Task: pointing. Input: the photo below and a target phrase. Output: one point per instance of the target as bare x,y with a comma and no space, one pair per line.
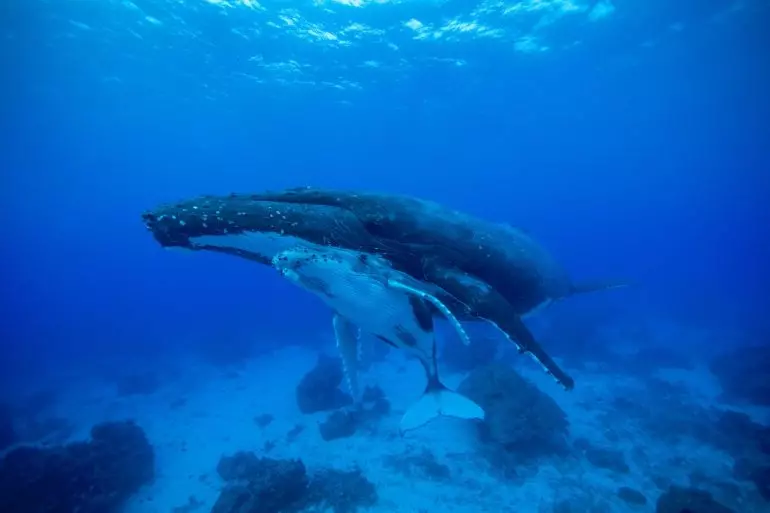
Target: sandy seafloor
207,412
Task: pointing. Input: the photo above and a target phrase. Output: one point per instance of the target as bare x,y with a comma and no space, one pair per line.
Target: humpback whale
366,292
481,270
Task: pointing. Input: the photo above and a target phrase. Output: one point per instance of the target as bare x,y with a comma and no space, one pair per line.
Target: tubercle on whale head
288,266
166,229
280,263
291,260
179,224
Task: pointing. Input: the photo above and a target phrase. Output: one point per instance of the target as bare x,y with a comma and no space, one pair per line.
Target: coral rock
265,485
677,500
88,477
631,496
519,417
319,389
340,424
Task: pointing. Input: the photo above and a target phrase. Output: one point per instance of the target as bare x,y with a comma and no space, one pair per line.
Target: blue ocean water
631,139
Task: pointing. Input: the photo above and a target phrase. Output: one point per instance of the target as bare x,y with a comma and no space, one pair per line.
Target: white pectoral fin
346,333
438,304
365,352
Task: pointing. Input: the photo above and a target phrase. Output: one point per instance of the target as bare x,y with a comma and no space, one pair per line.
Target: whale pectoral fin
485,302
365,352
346,333
440,306
517,333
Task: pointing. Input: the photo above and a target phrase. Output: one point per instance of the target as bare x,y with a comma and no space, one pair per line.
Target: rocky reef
319,390
683,500
521,421
344,423
743,374
266,485
88,477
340,424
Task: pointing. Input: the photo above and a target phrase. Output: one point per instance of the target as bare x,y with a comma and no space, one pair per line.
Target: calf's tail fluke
439,401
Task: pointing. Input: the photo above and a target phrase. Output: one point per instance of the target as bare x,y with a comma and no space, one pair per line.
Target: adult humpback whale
484,270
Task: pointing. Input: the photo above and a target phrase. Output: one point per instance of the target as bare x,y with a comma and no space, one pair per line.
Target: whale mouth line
264,244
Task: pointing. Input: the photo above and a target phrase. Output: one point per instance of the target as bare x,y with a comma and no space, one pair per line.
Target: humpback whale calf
482,270
366,292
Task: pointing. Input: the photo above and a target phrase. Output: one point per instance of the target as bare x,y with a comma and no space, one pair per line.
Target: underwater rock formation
631,496
89,477
263,485
241,465
608,459
679,500
747,442
737,434
760,476
266,485
743,374
264,420
319,389
340,424
341,491
192,504
375,404
669,412
520,419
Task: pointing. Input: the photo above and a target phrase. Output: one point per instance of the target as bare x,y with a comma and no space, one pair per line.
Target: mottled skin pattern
481,270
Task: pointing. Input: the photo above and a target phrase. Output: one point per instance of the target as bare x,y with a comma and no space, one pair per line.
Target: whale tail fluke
439,401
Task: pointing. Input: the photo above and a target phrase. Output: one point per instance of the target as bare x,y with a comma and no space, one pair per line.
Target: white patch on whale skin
264,244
